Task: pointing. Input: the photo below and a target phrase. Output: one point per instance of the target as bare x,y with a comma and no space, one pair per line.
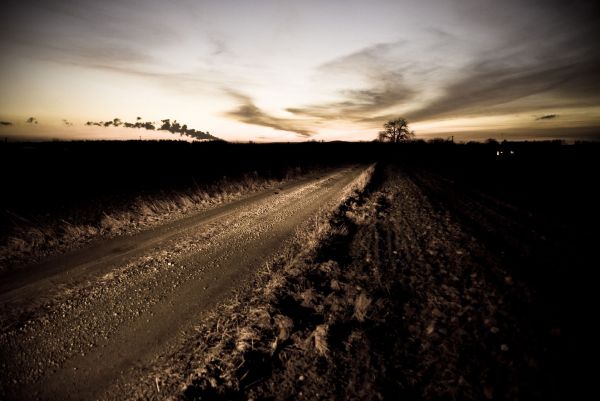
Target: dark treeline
49,175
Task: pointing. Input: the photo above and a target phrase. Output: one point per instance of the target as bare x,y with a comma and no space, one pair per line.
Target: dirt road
80,325
423,292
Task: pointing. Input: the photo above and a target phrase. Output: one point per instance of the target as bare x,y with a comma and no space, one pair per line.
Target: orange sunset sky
301,70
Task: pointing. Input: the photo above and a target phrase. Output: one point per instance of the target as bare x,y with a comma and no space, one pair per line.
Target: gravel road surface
81,325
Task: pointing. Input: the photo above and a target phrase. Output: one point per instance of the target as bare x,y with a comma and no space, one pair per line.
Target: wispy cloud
361,105
249,113
137,39
547,117
6,123
556,67
493,85
548,58
384,85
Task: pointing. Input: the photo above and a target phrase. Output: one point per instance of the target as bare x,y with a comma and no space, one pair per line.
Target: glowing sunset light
294,71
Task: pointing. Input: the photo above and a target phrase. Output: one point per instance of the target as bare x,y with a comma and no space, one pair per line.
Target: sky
278,70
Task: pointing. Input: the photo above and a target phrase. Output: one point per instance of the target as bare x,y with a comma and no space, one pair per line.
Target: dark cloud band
166,125
249,113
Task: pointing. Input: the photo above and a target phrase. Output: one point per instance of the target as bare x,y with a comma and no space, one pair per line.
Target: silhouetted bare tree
396,131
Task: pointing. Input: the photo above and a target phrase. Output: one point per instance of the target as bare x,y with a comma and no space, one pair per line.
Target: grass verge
27,240
238,343
392,298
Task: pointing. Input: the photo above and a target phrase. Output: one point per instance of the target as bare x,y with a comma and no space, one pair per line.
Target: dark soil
425,289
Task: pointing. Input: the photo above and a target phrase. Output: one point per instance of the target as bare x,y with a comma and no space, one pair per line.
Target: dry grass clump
361,306
284,325
245,339
320,336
